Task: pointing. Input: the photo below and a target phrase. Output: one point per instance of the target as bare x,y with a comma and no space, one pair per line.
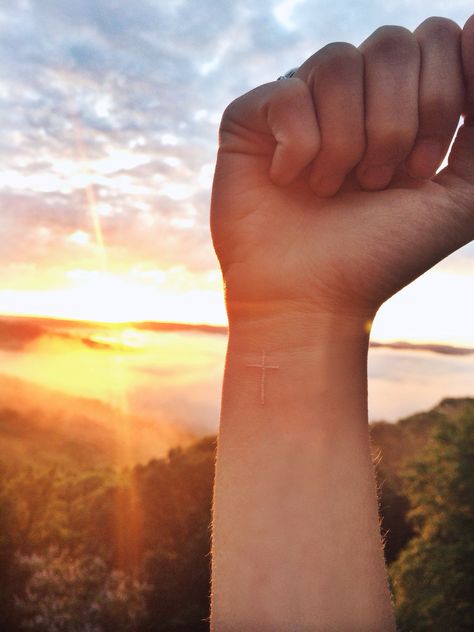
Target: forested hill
114,549
45,427
394,447
41,426
395,443
48,427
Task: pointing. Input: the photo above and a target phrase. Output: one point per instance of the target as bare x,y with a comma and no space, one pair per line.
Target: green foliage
178,495
433,577
11,578
87,546
394,445
68,594
49,428
100,549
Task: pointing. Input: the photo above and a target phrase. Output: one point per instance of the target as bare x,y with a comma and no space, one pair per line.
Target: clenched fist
326,197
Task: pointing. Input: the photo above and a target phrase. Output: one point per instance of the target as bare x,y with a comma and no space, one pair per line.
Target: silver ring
288,74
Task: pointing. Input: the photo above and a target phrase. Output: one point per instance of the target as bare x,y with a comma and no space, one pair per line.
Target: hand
325,197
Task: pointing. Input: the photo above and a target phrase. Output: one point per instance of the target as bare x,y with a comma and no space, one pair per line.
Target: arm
296,535
320,213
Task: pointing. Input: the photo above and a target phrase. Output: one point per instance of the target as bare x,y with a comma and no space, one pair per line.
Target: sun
114,298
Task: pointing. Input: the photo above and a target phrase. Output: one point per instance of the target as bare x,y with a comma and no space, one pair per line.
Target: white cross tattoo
264,367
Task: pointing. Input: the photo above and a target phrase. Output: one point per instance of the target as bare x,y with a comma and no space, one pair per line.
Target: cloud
86,81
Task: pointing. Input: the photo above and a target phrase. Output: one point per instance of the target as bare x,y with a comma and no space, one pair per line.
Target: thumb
277,119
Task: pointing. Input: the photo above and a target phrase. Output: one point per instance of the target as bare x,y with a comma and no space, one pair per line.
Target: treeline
96,548
426,477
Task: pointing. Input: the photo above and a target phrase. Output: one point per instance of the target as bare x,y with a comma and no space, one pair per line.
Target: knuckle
339,59
228,112
392,43
236,115
440,28
340,51
294,89
232,109
392,33
227,119
289,96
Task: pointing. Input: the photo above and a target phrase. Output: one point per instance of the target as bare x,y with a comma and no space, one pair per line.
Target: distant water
177,376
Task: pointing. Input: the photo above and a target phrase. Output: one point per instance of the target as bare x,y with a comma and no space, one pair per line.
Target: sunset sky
109,115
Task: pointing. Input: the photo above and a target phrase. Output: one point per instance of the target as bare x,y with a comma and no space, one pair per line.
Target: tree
432,579
71,594
11,576
177,498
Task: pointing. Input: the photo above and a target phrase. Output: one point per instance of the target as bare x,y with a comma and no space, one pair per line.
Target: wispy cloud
115,106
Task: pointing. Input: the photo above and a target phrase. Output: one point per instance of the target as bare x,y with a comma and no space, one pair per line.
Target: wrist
296,329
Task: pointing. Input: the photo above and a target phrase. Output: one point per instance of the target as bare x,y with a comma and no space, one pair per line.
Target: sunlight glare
106,297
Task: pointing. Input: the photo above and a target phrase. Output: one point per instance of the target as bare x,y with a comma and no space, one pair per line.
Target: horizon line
445,348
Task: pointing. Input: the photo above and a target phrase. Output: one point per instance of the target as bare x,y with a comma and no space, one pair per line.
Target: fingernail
374,178
425,159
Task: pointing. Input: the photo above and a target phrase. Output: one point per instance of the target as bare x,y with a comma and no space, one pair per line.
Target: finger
392,61
292,121
441,94
276,121
467,47
461,157
335,75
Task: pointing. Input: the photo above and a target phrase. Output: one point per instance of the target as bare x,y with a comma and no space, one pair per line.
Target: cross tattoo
264,367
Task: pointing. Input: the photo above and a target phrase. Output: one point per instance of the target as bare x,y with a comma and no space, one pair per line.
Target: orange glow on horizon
108,298
436,308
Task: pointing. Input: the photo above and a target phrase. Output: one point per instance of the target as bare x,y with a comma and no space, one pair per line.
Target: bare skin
326,202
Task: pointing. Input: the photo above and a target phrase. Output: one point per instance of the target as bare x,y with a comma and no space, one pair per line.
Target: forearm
296,542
